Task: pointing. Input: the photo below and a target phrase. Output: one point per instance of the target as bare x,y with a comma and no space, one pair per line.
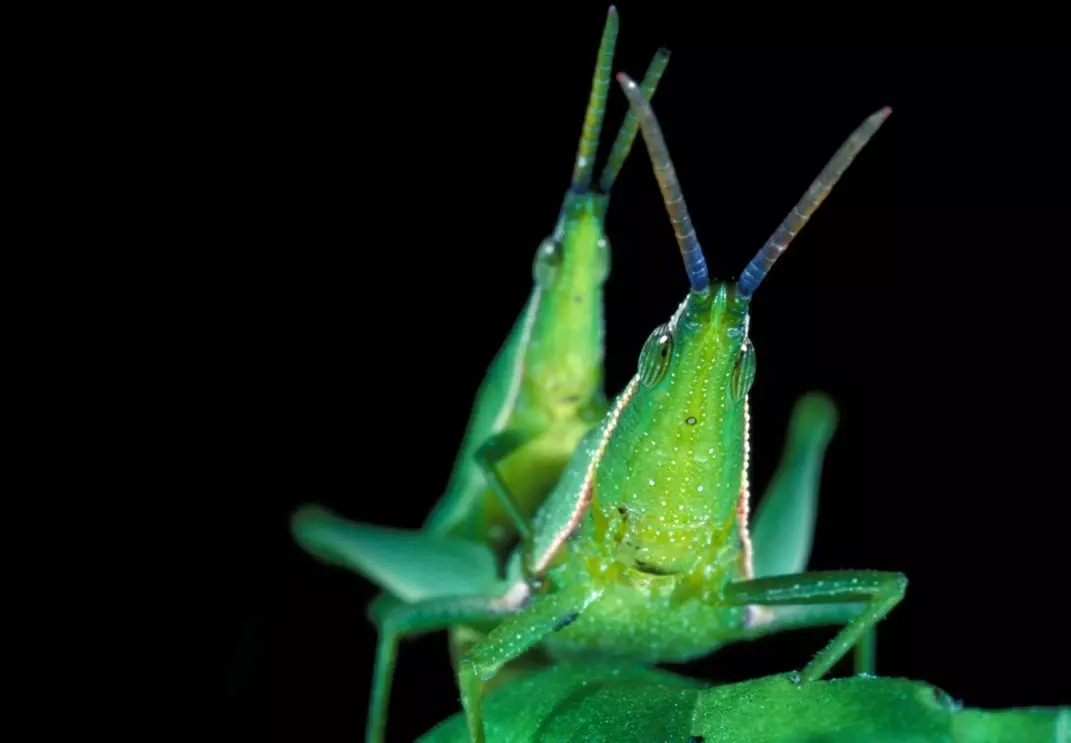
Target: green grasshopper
642,553
545,390
542,393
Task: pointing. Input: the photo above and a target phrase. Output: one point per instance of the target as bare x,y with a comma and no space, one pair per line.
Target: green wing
467,483
411,565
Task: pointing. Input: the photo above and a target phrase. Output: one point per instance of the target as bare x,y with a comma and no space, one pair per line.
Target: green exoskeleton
642,552
542,393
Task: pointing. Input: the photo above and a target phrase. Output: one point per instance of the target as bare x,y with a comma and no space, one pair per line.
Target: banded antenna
600,84
692,253
760,265
630,127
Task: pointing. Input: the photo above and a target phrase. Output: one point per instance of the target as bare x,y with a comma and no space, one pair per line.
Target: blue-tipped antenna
760,265
691,252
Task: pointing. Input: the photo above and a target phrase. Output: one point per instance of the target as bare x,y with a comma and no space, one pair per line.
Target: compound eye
743,373
602,258
656,355
547,260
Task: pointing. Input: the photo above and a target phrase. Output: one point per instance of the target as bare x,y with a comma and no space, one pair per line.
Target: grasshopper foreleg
493,451
515,635
394,620
822,598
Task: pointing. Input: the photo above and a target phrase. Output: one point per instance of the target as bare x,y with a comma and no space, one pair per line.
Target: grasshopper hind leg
782,533
783,530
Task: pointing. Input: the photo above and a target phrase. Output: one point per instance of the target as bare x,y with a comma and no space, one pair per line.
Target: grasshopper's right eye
602,265
547,260
743,373
655,356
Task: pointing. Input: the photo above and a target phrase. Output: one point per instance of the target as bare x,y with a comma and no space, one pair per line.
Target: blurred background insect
542,393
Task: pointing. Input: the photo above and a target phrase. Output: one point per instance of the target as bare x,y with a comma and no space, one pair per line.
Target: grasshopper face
564,360
672,484
679,480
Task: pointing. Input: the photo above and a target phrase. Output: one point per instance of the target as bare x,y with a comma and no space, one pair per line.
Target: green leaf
602,702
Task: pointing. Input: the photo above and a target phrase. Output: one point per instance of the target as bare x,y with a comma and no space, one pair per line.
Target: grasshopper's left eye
744,372
655,356
547,260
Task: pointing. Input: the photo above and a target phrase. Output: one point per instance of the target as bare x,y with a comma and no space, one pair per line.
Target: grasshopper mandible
642,550
542,393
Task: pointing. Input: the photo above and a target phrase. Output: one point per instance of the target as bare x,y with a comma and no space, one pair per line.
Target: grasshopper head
563,364
679,453
683,473
565,353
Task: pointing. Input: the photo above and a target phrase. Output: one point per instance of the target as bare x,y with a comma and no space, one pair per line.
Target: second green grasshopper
542,393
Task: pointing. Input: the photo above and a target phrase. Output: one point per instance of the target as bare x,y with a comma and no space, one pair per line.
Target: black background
339,222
